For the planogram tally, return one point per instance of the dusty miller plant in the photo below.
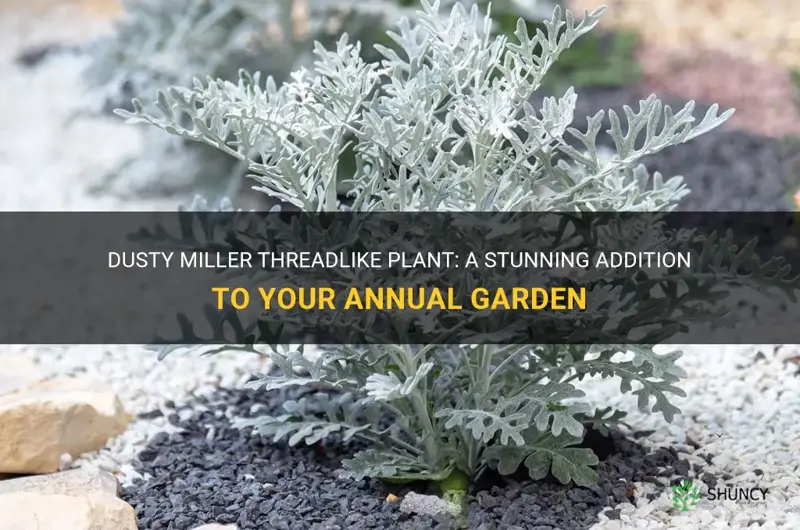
(442, 124)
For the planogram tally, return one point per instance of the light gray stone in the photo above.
(425, 504)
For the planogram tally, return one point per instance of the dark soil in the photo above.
(210, 472)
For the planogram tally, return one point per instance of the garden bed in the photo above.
(201, 470)
(209, 472)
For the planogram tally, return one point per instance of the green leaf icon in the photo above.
(685, 495)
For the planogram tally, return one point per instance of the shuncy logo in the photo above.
(685, 495)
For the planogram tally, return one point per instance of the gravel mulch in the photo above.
(208, 472)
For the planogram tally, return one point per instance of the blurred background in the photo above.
(65, 65)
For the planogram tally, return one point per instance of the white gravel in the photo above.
(746, 413)
(50, 154)
(749, 417)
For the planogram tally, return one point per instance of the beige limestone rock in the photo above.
(75, 483)
(48, 419)
(23, 511)
(17, 373)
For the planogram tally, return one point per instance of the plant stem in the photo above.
(408, 447)
(481, 381)
(421, 411)
(418, 399)
(485, 353)
(509, 357)
(473, 452)
(330, 191)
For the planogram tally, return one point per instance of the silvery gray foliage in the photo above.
(433, 126)
(444, 123)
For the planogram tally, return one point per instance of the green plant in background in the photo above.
(790, 147)
(791, 151)
(795, 75)
(600, 59)
(443, 124)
